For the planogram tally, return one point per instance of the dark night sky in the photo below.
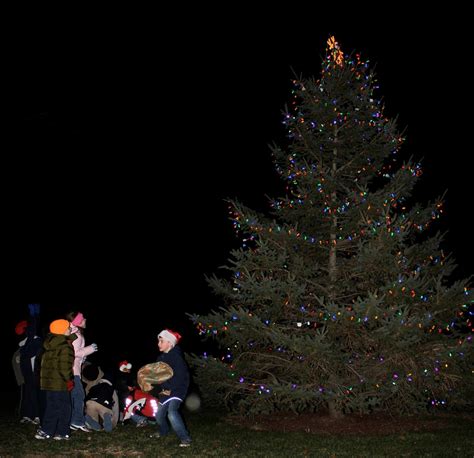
(125, 143)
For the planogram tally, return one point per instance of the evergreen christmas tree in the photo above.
(341, 299)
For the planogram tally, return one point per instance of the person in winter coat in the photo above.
(81, 351)
(172, 392)
(125, 382)
(102, 404)
(56, 379)
(27, 357)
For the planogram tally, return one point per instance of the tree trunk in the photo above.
(332, 266)
(333, 411)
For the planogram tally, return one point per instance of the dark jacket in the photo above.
(178, 384)
(103, 393)
(30, 348)
(123, 380)
(30, 358)
(96, 379)
(56, 363)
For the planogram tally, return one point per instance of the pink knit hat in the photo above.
(78, 319)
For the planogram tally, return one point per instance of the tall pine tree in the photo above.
(340, 299)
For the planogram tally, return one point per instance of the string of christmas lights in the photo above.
(372, 303)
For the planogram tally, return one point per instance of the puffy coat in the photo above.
(56, 363)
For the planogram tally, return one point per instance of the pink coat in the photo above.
(80, 350)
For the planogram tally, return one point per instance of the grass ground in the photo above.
(213, 436)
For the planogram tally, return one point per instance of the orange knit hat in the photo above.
(59, 326)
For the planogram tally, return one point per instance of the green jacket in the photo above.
(57, 361)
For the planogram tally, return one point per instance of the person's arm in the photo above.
(32, 328)
(66, 360)
(85, 351)
(156, 390)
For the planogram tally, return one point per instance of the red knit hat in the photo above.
(20, 328)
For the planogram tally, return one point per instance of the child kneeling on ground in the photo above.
(102, 406)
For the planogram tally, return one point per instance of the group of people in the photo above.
(62, 392)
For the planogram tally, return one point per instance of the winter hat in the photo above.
(170, 336)
(79, 318)
(59, 326)
(123, 365)
(20, 328)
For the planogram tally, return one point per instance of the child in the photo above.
(20, 330)
(30, 348)
(102, 408)
(124, 382)
(56, 379)
(81, 351)
(172, 392)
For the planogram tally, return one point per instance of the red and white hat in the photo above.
(123, 365)
(171, 336)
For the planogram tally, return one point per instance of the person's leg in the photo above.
(58, 413)
(92, 415)
(22, 403)
(106, 414)
(64, 418)
(138, 420)
(92, 409)
(42, 404)
(108, 422)
(160, 417)
(36, 401)
(29, 404)
(176, 421)
(77, 401)
(92, 424)
(48, 425)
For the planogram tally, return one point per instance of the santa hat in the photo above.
(170, 336)
(20, 328)
(124, 365)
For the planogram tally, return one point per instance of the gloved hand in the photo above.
(70, 385)
(34, 309)
(94, 346)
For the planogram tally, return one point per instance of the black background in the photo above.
(124, 138)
